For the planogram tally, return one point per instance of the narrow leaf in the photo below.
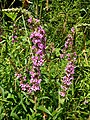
(42, 108)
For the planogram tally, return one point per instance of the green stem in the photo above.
(35, 106)
(72, 87)
(59, 104)
(40, 11)
(47, 1)
(26, 33)
(24, 25)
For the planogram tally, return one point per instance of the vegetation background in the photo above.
(57, 18)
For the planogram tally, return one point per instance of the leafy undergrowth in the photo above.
(16, 58)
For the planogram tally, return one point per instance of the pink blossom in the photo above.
(61, 56)
(62, 94)
(30, 20)
(73, 30)
(37, 20)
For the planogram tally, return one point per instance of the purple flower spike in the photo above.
(38, 51)
(38, 48)
(70, 68)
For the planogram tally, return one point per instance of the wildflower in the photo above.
(62, 94)
(14, 39)
(61, 56)
(38, 50)
(18, 75)
(30, 20)
(70, 67)
(36, 20)
(24, 78)
(37, 58)
(73, 30)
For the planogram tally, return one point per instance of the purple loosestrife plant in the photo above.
(70, 67)
(38, 40)
(38, 49)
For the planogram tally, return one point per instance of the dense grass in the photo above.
(57, 17)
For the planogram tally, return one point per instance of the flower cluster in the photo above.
(38, 50)
(69, 41)
(70, 67)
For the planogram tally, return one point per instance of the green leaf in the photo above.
(2, 92)
(15, 116)
(42, 108)
(14, 109)
(2, 116)
(62, 100)
(83, 10)
(11, 15)
(45, 97)
(56, 113)
(32, 101)
(29, 117)
(32, 111)
(24, 107)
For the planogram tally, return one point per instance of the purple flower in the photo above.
(38, 50)
(35, 87)
(18, 75)
(66, 44)
(23, 86)
(35, 41)
(73, 30)
(74, 59)
(62, 94)
(32, 35)
(70, 68)
(75, 54)
(61, 56)
(70, 37)
(30, 20)
(70, 43)
(14, 36)
(24, 78)
(41, 30)
(64, 87)
(44, 39)
(37, 20)
(38, 35)
(40, 45)
(27, 86)
(66, 80)
(38, 40)
(68, 54)
(33, 47)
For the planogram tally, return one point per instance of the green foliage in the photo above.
(57, 18)
(11, 15)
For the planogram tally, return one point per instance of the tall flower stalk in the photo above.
(38, 49)
(70, 67)
(38, 41)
